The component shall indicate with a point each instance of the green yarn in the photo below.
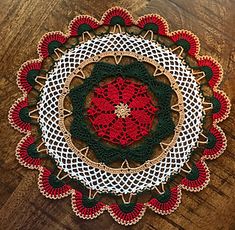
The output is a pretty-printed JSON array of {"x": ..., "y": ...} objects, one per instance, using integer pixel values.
[
  {"x": 117, "y": 20},
  {"x": 151, "y": 26},
  {"x": 216, "y": 105},
  {"x": 194, "y": 173},
  {"x": 55, "y": 182},
  {"x": 32, "y": 151},
  {"x": 52, "y": 46},
  {"x": 208, "y": 72},
  {"x": 183, "y": 43},
  {"x": 164, "y": 197},
  {"x": 32, "y": 74},
  {"x": 107, "y": 154},
  {"x": 24, "y": 115},
  {"x": 194, "y": 152},
  {"x": 84, "y": 28},
  {"x": 127, "y": 208},
  {"x": 171, "y": 178},
  {"x": 211, "y": 141},
  {"x": 89, "y": 202}
]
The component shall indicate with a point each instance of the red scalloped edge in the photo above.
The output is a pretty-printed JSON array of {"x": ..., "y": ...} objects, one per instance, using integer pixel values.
[
  {"x": 93, "y": 22},
  {"x": 20, "y": 81},
  {"x": 24, "y": 127},
  {"x": 221, "y": 144},
  {"x": 46, "y": 39},
  {"x": 226, "y": 106},
  {"x": 83, "y": 212},
  {"x": 202, "y": 181},
  {"x": 161, "y": 208},
  {"x": 127, "y": 218},
  {"x": 47, "y": 190},
  {"x": 164, "y": 27},
  {"x": 192, "y": 39},
  {"x": 23, "y": 159},
  {"x": 215, "y": 80},
  {"x": 116, "y": 11}
]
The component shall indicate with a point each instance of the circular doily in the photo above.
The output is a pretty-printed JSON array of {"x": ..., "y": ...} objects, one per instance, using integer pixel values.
[{"x": 121, "y": 114}]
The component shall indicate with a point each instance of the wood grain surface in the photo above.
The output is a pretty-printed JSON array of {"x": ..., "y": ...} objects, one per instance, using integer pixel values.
[{"x": 22, "y": 23}]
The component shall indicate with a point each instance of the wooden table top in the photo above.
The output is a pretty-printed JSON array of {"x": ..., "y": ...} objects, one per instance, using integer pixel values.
[{"x": 22, "y": 23}]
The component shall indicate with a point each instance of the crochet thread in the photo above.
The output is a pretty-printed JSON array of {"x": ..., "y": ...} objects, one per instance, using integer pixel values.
[
  {"x": 120, "y": 112},
  {"x": 107, "y": 154}
]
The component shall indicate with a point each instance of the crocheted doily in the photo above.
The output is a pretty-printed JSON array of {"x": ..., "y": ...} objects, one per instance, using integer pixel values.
[{"x": 120, "y": 114}]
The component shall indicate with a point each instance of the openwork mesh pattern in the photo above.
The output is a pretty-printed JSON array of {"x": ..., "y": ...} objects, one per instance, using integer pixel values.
[{"x": 98, "y": 179}]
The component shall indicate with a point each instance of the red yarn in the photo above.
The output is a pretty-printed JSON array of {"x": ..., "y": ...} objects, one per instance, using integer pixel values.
[
  {"x": 219, "y": 146},
  {"x": 82, "y": 20},
  {"x": 127, "y": 218},
  {"x": 106, "y": 106},
  {"x": 55, "y": 36},
  {"x": 190, "y": 38},
  {"x": 153, "y": 19},
  {"x": 117, "y": 11},
  {"x": 86, "y": 212},
  {"x": 14, "y": 116},
  {"x": 200, "y": 182},
  {"x": 215, "y": 68},
  {"x": 47, "y": 189},
  {"x": 169, "y": 206},
  {"x": 22, "y": 80},
  {"x": 225, "y": 106},
  {"x": 22, "y": 153}
]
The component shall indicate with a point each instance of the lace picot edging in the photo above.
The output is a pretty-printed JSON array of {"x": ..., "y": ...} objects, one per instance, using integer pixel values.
[{"x": 29, "y": 151}]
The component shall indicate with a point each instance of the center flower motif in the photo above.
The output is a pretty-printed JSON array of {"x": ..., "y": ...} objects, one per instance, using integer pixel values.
[
  {"x": 98, "y": 100},
  {"x": 122, "y": 111}
]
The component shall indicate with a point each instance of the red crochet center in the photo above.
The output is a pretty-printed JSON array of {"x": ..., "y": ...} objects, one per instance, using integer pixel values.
[{"x": 122, "y": 111}]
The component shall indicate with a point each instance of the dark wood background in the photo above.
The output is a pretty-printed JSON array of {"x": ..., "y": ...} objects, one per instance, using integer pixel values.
[{"x": 22, "y": 23}]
